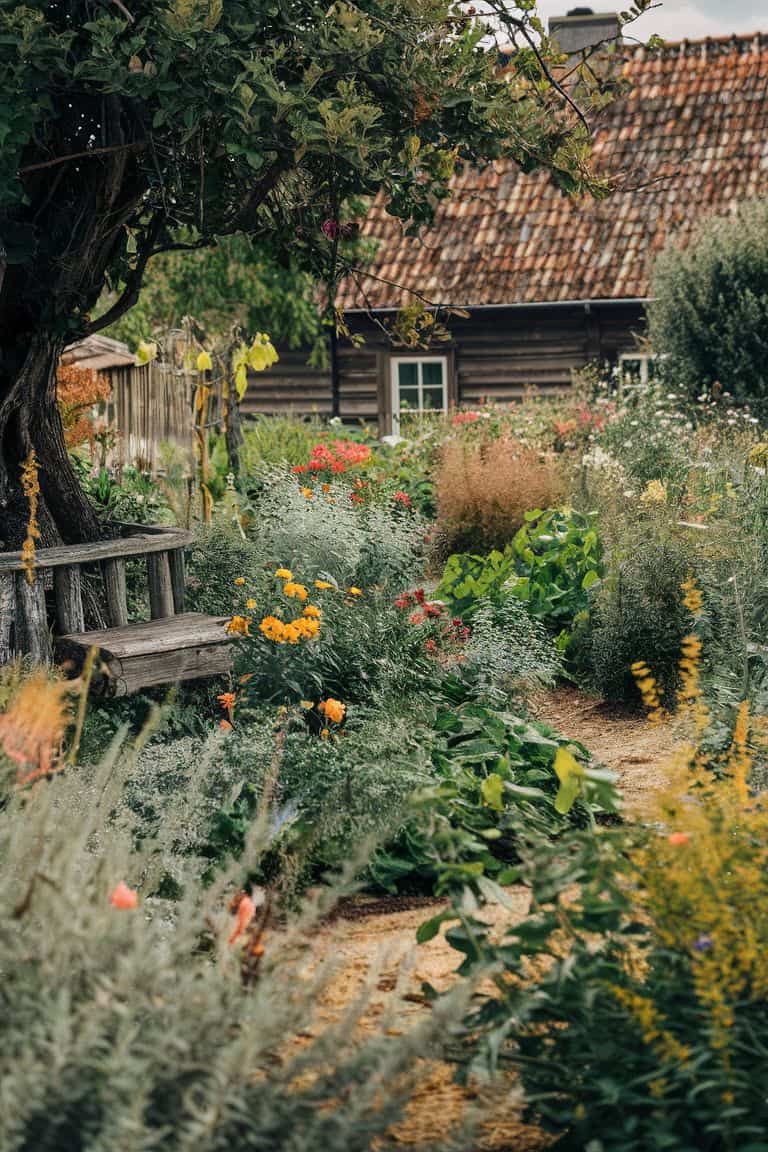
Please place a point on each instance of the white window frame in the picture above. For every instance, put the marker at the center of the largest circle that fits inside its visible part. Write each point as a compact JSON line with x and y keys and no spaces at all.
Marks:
{"x":644,"y":359}
{"x":394,"y":378}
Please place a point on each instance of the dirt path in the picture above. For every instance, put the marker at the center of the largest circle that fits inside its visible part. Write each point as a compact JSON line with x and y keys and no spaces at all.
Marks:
{"x":384,"y":941}
{"x":623,"y":741}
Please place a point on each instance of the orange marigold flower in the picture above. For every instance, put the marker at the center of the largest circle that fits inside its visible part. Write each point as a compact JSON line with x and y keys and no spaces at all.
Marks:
{"x":324,"y":584}
{"x":325,"y":733}
{"x":307,"y":493}
{"x":239,"y":626}
{"x":250,"y":604}
{"x":273,"y":629}
{"x":240,"y":580}
{"x":284,"y":574}
{"x":332,"y":709}
{"x":246,"y":910}
{"x":355,"y":591}
{"x":123,"y":897}
{"x":312,"y":610}
{"x":679,"y":839}
{"x":298,"y":590}
{"x":227,"y":700}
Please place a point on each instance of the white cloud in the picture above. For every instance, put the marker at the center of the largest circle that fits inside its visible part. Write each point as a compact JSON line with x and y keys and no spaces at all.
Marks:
{"x":680,"y":19}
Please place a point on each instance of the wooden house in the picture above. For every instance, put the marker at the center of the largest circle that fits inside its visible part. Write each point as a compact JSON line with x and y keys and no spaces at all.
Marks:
{"x":550,"y":284}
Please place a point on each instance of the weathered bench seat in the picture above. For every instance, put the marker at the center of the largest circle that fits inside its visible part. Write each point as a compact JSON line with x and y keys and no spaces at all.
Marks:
{"x":174,"y":645}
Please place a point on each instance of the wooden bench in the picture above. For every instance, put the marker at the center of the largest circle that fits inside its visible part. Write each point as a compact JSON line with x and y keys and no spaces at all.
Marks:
{"x":174,"y":645}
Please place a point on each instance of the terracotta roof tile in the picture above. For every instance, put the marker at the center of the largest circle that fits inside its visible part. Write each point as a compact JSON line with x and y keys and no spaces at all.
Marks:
{"x":691,"y":140}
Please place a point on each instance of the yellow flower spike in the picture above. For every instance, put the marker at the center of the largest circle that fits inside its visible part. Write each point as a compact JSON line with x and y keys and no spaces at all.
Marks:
{"x":284,"y":574}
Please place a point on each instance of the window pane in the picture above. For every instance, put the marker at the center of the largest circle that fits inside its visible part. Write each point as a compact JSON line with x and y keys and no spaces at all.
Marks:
{"x":433,"y":399}
{"x":409,"y":398}
{"x":432,"y":375}
{"x":408,"y":375}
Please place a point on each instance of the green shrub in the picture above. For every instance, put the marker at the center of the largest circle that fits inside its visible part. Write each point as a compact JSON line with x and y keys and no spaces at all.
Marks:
{"x":637,"y":613}
{"x":710,"y":312}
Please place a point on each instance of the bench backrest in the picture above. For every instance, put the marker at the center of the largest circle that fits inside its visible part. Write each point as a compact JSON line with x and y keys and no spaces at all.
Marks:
{"x":24,"y":617}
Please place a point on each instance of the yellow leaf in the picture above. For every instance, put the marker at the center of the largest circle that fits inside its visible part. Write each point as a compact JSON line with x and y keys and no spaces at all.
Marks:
{"x":204,"y":363}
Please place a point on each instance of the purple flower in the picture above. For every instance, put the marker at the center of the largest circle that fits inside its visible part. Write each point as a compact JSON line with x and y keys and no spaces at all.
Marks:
{"x":703,"y":943}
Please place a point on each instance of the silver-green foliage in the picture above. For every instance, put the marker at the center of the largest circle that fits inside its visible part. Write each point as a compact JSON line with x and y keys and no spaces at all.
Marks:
{"x":331,"y":534}
{"x":508,"y":647}
{"x":131,"y":1029}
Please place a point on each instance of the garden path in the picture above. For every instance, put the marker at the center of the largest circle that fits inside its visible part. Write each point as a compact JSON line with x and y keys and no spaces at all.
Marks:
{"x":379,"y":945}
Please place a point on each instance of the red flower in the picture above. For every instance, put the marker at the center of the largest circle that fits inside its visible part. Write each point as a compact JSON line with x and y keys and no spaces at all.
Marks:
{"x":430,"y":645}
{"x":433,"y":610}
{"x":330,"y":228}
{"x":405,"y":600}
{"x":417,"y":618}
{"x":300,"y":468}
{"x":420,"y":596}
{"x":357,"y":499}
{"x":402,"y":498}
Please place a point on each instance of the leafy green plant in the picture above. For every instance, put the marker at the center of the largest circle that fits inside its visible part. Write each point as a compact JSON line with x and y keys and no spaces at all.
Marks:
{"x":551,"y":565}
{"x":494,"y":772}
{"x":558,"y":559}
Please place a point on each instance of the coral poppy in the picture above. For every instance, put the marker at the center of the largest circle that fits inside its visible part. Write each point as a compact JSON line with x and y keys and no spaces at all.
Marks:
{"x":123,"y":897}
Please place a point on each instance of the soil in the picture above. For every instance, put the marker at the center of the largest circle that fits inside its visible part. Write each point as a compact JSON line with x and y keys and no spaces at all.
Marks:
{"x":378,"y":936}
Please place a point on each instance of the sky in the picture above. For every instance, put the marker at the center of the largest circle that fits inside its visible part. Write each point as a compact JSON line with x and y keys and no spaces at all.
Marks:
{"x":678,"y":19}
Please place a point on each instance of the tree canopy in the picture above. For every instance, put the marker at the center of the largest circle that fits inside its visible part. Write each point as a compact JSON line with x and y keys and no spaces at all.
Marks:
{"x":127,"y":123}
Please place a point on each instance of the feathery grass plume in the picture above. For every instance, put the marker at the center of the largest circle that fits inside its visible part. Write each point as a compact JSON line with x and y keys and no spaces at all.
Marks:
{"x":30,"y":484}
{"x":34,"y":723}
{"x":484,"y":488}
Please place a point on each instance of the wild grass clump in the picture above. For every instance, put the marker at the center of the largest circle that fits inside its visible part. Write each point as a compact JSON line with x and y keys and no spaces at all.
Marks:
{"x":483,"y":489}
{"x":132,"y":1021}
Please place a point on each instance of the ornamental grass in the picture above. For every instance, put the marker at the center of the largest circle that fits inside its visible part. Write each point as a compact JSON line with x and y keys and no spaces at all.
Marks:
{"x":484,"y":487}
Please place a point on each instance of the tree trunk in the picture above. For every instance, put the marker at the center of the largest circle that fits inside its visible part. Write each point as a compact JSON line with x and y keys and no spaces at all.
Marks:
{"x":29,"y":419}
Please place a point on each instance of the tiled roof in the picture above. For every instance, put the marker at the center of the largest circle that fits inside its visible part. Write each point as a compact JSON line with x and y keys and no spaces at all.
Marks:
{"x":691,"y":140}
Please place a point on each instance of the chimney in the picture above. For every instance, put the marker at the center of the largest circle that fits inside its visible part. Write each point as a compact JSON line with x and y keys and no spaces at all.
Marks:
{"x":581,"y":29}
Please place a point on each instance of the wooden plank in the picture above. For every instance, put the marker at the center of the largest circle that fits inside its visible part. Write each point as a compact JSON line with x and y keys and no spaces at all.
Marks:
{"x":176,"y":561}
{"x":149,"y":541}
{"x":172,"y":667}
{"x":160,"y":586}
{"x":33,"y":636}
{"x":115,"y":591}
{"x":7,"y":617}
{"x":190,"y":630}
{"x":69,"y":599}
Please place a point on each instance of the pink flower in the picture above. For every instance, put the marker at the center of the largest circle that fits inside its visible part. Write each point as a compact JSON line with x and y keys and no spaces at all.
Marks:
{"x":330,"y":228}
{"x":402,"y":498}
